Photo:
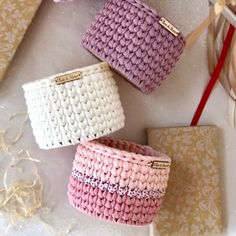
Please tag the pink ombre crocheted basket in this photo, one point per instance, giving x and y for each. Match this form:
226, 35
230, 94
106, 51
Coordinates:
136, 41
118, 181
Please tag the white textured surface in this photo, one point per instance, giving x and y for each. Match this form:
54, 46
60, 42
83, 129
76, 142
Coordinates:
77, 111
52, 45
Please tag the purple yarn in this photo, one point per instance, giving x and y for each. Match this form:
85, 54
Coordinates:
127, 34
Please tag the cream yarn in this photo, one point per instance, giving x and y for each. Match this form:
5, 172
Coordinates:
74, 111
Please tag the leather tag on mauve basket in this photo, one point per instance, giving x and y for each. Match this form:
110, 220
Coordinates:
192, 205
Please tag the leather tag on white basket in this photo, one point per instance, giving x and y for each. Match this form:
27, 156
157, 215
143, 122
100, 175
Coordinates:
69, 77
192, 205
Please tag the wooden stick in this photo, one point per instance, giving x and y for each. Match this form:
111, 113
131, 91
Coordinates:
228, 14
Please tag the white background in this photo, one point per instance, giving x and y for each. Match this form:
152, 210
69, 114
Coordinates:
53, 44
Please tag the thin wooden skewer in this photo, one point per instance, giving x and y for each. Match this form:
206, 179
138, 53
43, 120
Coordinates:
228, 14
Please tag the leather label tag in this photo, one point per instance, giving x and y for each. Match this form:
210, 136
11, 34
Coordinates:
160, 164
166, 24
62, 79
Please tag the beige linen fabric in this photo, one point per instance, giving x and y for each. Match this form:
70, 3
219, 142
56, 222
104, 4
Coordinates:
192, 204
15, 17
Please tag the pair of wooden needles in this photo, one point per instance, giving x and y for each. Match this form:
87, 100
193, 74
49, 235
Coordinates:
228, 14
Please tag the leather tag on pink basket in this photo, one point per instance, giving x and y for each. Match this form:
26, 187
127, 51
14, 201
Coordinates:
192, 204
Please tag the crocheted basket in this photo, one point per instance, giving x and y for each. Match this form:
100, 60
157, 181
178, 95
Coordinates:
118, 181
136, 41
74, 106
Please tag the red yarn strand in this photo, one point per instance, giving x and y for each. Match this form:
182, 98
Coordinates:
214, 76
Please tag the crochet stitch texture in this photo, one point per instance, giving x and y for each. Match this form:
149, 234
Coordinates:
127, 34
114, 180
75, 111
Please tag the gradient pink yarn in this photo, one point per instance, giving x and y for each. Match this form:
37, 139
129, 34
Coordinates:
114, 180
111, 206
127, 35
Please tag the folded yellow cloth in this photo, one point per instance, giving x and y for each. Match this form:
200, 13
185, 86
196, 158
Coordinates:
192, 204
15, 17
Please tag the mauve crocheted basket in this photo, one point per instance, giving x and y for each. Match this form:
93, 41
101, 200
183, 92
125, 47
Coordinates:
74, 106
130, 37
118, 181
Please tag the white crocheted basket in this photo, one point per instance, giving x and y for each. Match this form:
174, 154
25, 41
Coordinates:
75, 106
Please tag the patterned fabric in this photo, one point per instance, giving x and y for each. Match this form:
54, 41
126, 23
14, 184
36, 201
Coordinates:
15, 17
129, 36
123, 163
84, 106
192, 205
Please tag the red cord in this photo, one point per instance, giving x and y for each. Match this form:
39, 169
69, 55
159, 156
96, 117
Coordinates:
214, 76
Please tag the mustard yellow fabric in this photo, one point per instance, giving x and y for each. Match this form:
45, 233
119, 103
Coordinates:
15, 17
192, 205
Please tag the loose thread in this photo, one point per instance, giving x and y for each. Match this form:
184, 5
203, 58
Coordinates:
22, 198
